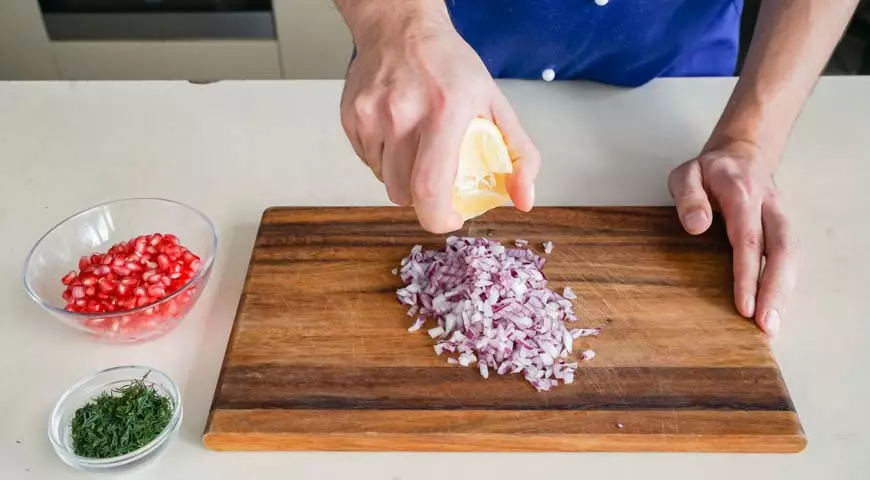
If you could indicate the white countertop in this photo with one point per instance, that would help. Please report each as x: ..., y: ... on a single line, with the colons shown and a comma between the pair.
x: 234, y: 148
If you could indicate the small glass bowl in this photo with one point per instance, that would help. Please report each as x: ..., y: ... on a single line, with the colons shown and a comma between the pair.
x: 59, y: 425
x: 95, y: 230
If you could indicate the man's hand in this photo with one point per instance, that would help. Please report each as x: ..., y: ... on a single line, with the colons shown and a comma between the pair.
x: 410, y: 95
x: 736, y: 180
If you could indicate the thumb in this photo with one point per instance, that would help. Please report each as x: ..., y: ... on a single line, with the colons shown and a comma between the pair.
x: 693, y: 206
x: 524, y: 155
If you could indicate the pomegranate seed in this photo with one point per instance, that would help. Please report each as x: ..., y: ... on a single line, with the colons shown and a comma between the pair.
x: 106, y: 285
x: 132, y: 274
x: 102, y: 270
x: 156, y: 291
x: 69, y: 278
x: 171, y: 308
x: 95, y: 322
x: 121, y: 270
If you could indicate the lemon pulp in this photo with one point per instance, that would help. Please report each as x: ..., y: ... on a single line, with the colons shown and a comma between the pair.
x: 484, y: 166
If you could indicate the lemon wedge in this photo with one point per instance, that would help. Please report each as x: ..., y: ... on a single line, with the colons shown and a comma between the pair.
x: 484, y: 165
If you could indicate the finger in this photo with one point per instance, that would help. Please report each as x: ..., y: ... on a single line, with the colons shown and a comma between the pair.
x: 693, y: 206
x: 434, y: 171
x: 373, y: 150
x: 348, y: 124
x: 398, y: 160
x: 362, y: 125
x: 743, y: 222
x: 524, y: 155
x: 780, y: 270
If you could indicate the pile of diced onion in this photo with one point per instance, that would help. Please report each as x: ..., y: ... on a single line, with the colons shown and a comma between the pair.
x: 492, y: 307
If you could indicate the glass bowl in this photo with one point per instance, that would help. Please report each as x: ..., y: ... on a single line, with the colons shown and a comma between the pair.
x: 59, y: 425
x: 95, y: 230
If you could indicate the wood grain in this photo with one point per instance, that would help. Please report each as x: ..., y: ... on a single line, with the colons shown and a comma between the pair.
x: 320, y: 359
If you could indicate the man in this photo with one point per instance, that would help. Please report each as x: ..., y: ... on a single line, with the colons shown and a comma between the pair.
x: 423, y: 70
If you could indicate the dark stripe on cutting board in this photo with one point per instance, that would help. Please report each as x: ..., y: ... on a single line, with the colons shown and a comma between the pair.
x: 401, y: 388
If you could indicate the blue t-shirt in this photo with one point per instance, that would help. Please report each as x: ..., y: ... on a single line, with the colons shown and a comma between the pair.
x: 625, y: 42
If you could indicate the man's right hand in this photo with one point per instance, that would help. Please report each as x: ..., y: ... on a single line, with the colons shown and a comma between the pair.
x: 410, y: 95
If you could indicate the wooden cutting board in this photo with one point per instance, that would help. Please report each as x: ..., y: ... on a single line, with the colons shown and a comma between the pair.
x: 320, y: 359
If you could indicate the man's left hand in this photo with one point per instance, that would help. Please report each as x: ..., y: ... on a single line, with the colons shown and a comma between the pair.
x: 737, y: 180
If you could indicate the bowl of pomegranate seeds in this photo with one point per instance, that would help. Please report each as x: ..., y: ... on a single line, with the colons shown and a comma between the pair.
x: 124, y: 271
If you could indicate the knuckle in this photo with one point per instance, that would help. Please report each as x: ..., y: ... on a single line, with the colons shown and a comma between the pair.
x: 401, y: 110
x: 752, y: 241
x: 424, y: 188
x: 441, y: 100
x: 741, y: 191
x: 398, y: 196
x: 788, y: 245
x: 364, y: 107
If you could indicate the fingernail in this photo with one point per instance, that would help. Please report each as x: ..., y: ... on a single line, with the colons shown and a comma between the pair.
x: 771, y: 322
x: 695, y: 220
x: 750, y: 306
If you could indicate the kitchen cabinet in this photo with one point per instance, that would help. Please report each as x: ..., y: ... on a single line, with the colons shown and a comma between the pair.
x: 315, y: 42
x: 25, y: 51
x: 310, y: 41
x: 203, y: 60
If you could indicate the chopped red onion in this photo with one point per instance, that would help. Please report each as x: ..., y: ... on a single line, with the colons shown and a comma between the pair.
x: 569, y: 293
x: 492, y: 306
x: 520, y: 243
x: 619, y: 425
x: 584, y: 332
x: 548, y: 247
x: 586, y: 355
x: 417, y: 324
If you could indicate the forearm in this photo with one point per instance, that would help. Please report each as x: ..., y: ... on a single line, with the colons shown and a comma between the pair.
x: 374, y: 21
x: 792, y: 43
